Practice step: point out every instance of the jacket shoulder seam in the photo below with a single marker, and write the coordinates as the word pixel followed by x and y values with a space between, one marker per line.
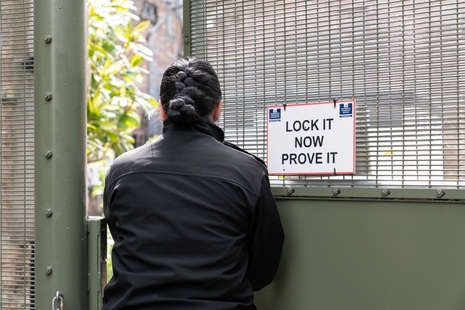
pixel 257 193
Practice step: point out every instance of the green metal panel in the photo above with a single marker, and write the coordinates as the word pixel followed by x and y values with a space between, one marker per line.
pixel 97 249
pixel 60 159
pixel 369 254
pixel 186 27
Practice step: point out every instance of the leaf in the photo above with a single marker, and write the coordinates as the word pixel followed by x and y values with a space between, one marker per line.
pixel 129 122
pixel 106 125
pixel 94 103
pixel 136 60
pixel 146 105
pixel 142 26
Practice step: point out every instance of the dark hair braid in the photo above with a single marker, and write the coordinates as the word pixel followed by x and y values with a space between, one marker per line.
pixel 189 91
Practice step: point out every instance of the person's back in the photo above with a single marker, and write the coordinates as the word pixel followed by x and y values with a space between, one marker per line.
pixel 194 222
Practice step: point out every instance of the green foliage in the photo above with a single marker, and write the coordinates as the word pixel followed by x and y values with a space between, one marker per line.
pixel 116 51
pixel 110 244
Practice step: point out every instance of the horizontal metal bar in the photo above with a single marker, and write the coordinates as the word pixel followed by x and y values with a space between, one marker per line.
pixel 450 195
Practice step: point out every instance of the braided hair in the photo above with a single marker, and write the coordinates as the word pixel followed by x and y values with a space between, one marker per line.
pixel 189 91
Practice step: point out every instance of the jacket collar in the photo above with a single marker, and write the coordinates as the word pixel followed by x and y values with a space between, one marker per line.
pixel 204 126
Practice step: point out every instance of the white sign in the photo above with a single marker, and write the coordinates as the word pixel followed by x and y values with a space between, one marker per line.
pixel 313 138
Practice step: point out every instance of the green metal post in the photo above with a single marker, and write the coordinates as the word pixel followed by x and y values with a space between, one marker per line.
pixel 97 253
pixel 60 158
pixel 187 27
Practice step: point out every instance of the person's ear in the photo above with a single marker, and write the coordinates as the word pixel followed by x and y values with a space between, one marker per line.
pixel 162 112
pixel 217 111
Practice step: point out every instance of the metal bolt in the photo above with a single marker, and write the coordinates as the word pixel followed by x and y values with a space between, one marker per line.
pixel 385 192
pixel 440 193
pixel 336 191
pixel 290 191
pixel 48 270
pixel 48 154
pixel 48 96
pixel 48 212
pixel 48 38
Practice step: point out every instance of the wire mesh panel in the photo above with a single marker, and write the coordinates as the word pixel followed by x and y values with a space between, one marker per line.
pixel 401 60
pixel 16 155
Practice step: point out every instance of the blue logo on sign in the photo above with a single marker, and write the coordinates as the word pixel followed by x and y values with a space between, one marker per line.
pixel 275 115
pixel 345 109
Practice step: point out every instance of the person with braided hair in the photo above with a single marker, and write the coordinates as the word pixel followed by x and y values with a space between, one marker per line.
pixel 193 219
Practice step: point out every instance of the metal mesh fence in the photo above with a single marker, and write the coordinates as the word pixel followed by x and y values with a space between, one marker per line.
pixel 16 155
pixel 402 61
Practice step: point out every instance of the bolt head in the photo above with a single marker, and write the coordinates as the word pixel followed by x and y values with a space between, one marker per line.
pixel 440 193
pixel 290 191
pixel 48 38
pixel 48 212
pixel 48 270
pixel 48 154
pixel 48 96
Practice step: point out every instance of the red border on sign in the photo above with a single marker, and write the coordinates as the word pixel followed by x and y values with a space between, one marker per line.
pixel 311 103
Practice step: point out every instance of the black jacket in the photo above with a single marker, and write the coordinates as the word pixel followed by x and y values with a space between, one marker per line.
pixel 194 223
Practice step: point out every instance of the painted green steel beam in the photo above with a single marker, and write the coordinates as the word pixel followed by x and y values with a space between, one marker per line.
pixel 187 27
pixel 439 194
pixel 97 254
pixel 60 158
pixel 201 36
